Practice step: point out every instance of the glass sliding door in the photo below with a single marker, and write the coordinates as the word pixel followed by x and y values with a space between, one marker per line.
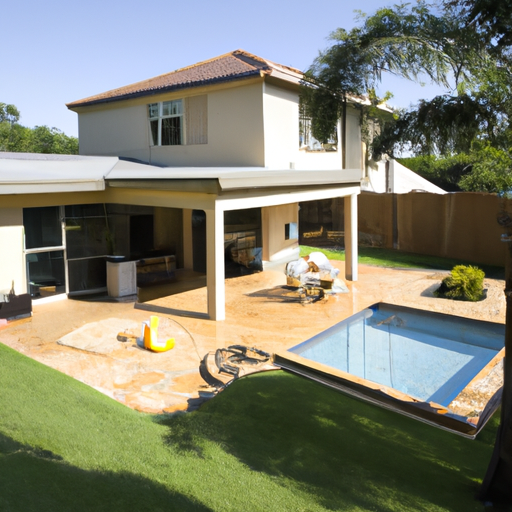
pixel 88 240
pixel 45 251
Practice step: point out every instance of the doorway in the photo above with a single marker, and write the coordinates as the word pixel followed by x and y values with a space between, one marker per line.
pixel 45 251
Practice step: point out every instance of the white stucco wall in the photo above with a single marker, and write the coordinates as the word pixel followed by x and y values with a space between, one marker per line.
pixel 281 122
pixel 273 220
pixel 281 125
pixel 12 255
pixel 253 123
pixel 282 151
pixel 235 131
pixel 354 158
pixel 115 132
pixel 376 178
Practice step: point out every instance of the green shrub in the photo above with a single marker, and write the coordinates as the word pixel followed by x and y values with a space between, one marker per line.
pixel 463 283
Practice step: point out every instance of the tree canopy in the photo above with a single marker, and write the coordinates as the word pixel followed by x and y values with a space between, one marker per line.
pixel 462 45
pixel 17 138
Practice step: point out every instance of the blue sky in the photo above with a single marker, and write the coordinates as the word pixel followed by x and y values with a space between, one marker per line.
pixel 59 51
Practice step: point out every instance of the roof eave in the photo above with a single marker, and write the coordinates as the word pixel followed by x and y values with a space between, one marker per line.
pixel 50 187
pixel 161 90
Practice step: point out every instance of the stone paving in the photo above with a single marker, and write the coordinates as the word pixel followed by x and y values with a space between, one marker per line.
pixel 79 337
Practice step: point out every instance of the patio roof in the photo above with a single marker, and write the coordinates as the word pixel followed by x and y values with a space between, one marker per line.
pixel 30 173
pixel 217 179
pixel 34 173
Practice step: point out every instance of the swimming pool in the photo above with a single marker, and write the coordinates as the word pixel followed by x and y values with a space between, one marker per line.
pixel 409 359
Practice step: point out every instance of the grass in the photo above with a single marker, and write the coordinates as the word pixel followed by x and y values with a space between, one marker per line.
pixel 397 259
pixel 269 442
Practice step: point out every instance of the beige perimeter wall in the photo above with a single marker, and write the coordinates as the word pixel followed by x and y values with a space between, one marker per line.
pixel 458 225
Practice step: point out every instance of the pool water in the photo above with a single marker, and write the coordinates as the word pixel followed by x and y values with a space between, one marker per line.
pixel 431 357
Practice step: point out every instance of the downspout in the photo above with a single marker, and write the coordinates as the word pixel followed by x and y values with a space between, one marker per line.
pixel 344 135
pixel 388 188
pixel 263 117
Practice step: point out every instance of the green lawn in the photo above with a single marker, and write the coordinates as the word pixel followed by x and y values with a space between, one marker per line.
pixel 397 259
pixel 269 442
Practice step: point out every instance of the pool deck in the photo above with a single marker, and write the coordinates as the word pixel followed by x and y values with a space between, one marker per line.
pixel 260 312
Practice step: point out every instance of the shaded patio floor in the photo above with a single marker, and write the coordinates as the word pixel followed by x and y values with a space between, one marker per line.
pixel 260 312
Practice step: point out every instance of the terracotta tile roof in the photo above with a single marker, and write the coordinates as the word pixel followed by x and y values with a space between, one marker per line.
pixel 228 67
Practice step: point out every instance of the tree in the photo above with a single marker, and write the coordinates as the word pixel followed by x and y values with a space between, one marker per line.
pixel 475 115
pixel 445 47
pixel 51 140
pixel 409 41
pixel 465 46
pixel 494 20
pixel 9 113
pixel 19 139
pixel 337 73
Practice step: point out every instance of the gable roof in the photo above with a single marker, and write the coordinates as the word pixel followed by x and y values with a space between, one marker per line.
pixel 231 66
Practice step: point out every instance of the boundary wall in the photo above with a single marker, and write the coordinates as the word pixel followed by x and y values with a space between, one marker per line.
pixel 460 225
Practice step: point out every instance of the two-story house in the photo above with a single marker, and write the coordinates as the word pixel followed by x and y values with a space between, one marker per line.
pixel 205 164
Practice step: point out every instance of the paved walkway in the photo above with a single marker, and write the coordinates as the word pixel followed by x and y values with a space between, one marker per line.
pixel 260 312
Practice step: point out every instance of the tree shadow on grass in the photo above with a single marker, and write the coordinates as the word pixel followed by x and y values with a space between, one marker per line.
pixel 345 453
pixel 36 480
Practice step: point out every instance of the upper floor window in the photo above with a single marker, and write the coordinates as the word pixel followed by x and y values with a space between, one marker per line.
pixel 166 122
pixel 306 139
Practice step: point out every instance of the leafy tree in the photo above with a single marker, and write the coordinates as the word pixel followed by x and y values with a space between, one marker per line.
pixel 341 71
pixel 410 41
pixel 17 138
pixel 491 171
pixel 475 116
pixel 9 113
pixel 463 45
pixel 51 140
pixel 451 47
pixel 493 18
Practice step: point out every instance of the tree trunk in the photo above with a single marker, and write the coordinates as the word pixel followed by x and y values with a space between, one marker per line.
pixel 497 484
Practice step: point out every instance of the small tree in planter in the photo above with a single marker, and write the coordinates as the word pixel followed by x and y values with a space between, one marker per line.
pixel 463 283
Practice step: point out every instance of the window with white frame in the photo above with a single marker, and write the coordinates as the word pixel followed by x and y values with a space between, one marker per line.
pixel 307 141
pixel 166 123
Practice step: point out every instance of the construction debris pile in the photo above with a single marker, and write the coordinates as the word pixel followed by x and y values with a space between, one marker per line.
pixel 314 270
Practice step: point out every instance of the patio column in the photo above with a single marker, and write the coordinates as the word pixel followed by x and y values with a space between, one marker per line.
pixel 350 210
pixel 188 244
pixel 215 271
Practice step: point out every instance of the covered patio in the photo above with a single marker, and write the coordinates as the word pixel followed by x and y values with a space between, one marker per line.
pixel 39 181
pixel 216 191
